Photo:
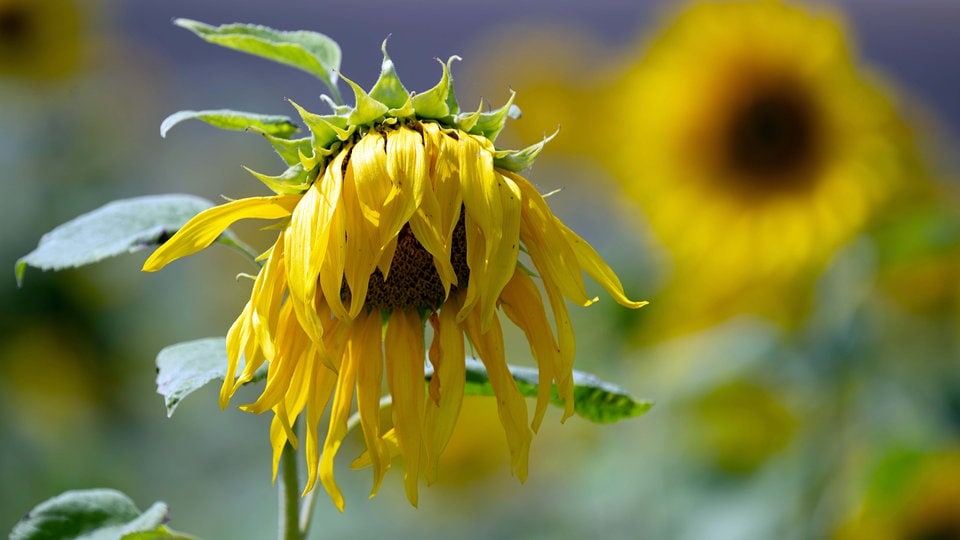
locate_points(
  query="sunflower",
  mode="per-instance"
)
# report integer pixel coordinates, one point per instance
(757, 150)
(39, 39)
(397, 215)
(751, 140)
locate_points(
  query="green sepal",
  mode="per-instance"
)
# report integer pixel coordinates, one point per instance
(116, 228)
(94, 514)
(467, 121)
(326, 130)
(367, 110)
(276, 125)
(291, 182)
(490, 124)
(288, 149)
(518, 160)
(312, 52)
(439, 102)
(388, 89)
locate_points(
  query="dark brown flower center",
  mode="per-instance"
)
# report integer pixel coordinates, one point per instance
(413, 281)
(15, 26)
(772, 137)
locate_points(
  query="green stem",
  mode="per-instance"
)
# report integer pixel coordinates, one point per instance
(240, 247)
(289, 495)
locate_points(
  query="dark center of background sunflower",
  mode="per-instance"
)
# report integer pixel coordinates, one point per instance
(771, 138)
(15, 26)
(413, 281)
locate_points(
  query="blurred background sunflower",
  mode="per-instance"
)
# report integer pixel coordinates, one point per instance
(780, 179)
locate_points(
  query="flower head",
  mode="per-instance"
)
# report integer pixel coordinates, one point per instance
(394, 215)
(39, 39)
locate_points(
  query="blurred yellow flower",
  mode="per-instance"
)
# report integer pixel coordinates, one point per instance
(39, 39)
(407, 220)
(756, 150)
(916, 499)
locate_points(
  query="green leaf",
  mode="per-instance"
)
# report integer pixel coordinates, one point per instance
(119, 227)
(277, 125)
(186, 367)
(594, 399)
(94, 514)
(312, 52)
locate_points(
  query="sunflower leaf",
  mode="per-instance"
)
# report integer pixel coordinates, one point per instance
(94, 514)
(186, 367)
(594, 399)
(312, 52)
(119, 227)
(276, 125)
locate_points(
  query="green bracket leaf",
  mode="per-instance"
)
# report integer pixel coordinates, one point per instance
(119, 227)
(277, 125)
(594, 399)
(312, 52)
(94, 514)
(184, 368)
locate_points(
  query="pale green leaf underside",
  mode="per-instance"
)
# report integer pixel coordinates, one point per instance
(119, 227)
(594, 399)
(276, 125)
(186, 367)
(312, 52)
(93, 514)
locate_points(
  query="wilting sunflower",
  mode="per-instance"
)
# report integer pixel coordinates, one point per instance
(394, 216)
(39, 39)
(756, 149)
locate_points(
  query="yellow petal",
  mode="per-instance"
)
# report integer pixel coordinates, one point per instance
(267, 297)
(322, 386)
(332, 269)
(339, 413)
(307, 237)
(368, 163)
(407, 170)
(591, 263)
(521, 302)
(362, 247)
(206, 226)
(446, 386)
(500, 266)
(511, 407)
(550, 252)
(405, 355)
(369, 390)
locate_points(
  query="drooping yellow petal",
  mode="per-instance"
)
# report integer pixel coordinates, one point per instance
(444, 158)
(521, 302)
(511, 407)
(591, 263)
(267, 297)
(339, 413)
(240, 344)
(307, 237)
(446, 386)
(499, 267)
(332, 269)
(391, 443)
(407, 172)
(368, 163)
(567, 343)
(405, 371)
(554, 258)
(206, 226)
(292, 344)
(369, 389)
(481, 195)
(362, 246)
(323, 384)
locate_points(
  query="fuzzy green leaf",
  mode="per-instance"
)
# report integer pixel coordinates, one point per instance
(594, 399)
(93, 514)
(278, 125)
(312, 52)
(119, 227)
(186, 367)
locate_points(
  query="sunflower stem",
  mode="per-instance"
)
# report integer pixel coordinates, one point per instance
(289, 495)
(241, 248)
